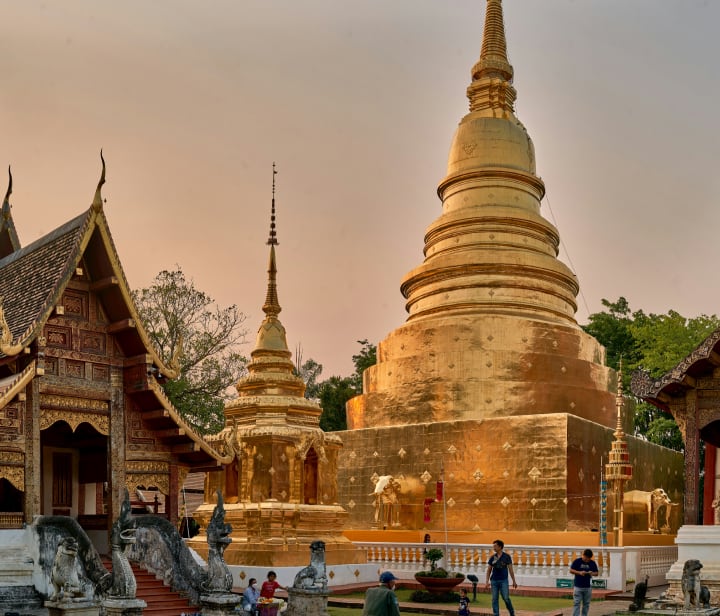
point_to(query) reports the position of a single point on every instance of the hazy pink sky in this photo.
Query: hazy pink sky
(357, 101)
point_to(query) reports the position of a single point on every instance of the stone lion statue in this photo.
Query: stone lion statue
(694, 593)
(64, 576)
(313, 577)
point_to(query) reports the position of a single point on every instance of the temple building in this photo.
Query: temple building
(83, 414)
(690, 393)
(280, 485)
(490, 384)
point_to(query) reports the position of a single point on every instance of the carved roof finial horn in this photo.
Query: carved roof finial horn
(6, 337)
(98, 200)
(6, 201)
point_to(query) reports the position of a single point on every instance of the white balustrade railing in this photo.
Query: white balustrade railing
(534, 565)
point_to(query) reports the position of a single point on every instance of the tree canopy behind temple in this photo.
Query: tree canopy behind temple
(654, 342)
(186, 323)
(333, 393)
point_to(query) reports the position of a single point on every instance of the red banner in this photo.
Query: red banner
(426, 509)
(439, 491)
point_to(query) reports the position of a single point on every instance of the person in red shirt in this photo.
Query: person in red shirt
(270, 586)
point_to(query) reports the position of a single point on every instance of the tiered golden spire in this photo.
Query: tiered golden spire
(619, 470)
(492, 75)
(272, 304)
(619, 467)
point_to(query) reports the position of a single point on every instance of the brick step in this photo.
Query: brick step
(161, 600)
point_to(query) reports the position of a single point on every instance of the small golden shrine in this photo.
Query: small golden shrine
(619, 470)
(280, 488)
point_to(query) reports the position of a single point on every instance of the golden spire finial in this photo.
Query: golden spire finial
(493, 66)
(619, 403)
(98, 200)
(272, 305)
(6, 201)
(272, 239)
(493, 54)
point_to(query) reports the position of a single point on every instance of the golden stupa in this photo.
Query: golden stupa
(280, 490)
(490, 379)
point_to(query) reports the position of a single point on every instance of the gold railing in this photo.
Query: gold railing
(11, 519)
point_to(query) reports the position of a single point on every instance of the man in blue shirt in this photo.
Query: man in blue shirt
(583, 568)
(499, 566)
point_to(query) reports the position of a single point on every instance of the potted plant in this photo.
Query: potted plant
(437, 580)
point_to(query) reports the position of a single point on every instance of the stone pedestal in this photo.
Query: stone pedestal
(701, 543)
(306, 603)
(221, 604)
(83, 607)
(124, 607)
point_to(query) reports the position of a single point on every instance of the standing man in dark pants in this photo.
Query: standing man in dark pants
(499, 566)
(583, 568)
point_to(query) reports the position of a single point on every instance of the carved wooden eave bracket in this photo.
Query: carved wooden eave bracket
(159, 392)
(660, 391)
(13, 386)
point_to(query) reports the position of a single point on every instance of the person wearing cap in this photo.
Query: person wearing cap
(381, 600)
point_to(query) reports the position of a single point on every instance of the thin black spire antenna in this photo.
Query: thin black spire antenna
(272, 240)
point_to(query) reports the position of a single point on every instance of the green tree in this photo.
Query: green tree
(653, 342)
(309, 371)
(187, 326)
(334, 392)
(362, 361)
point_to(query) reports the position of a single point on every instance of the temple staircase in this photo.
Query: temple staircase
(16, 572)
(161, 600)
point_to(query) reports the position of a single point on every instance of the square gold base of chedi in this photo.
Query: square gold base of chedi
(518, 473)
(278, 534)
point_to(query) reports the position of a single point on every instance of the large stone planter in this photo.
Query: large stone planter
(438, 586)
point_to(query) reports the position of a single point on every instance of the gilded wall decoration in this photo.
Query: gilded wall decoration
(69, 402)
(133, 481)
(148, 473)
(10, 423)
(14, 474)
(50, 416)
(147, 466)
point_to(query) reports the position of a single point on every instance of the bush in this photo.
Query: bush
(423, 596)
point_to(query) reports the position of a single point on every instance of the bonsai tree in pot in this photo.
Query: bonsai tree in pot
(437, 580)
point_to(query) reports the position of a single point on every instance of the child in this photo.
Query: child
(270, 586)
(464, 608)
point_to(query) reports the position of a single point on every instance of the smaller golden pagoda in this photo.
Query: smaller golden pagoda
(619, 470)
(280, 489)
